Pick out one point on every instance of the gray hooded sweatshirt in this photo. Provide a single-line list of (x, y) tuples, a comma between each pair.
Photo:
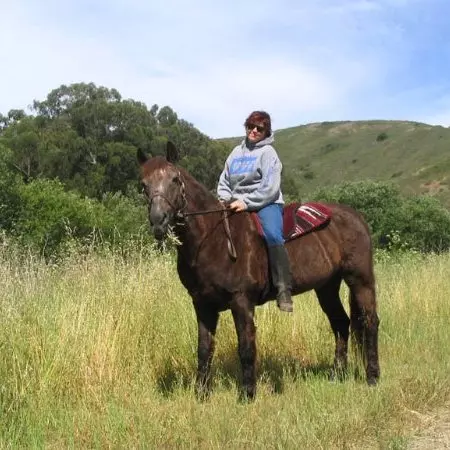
[(252, 174)]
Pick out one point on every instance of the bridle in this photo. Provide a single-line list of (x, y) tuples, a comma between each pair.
[(181, 214)]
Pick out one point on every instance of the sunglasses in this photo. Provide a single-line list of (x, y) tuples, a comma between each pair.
[(252, 126)]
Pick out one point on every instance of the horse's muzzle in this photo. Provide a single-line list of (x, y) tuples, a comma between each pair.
[(159, 232), (159, 221), (160, 227)]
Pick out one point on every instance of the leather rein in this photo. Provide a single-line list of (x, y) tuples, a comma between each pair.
[(231, 248)]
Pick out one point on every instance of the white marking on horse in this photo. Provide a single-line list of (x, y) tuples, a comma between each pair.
[(162, 173)]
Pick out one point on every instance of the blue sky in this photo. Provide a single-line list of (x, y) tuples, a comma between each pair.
[(214, 62)]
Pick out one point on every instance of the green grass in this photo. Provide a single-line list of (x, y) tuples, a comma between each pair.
[(99, 351)]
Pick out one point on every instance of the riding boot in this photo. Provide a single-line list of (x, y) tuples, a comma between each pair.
[(281, 276)]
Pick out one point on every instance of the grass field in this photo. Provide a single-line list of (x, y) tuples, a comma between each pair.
[(100, 352)]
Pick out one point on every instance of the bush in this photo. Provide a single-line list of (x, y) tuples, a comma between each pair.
[(377, 202), (382, 137), (424, 224), (419, 223), (125, 218), (51, 218)]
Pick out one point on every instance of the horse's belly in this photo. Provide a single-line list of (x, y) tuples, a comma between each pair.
[(313, 263)]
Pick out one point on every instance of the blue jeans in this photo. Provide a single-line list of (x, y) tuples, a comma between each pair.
[(271, 217)]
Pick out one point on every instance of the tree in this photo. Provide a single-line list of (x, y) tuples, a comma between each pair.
[(66, 99), (166, 117), (10, 182), (87, 136), (14, 115), (22, 138)]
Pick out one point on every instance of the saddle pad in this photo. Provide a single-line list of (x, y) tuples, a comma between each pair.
[(299, 219)]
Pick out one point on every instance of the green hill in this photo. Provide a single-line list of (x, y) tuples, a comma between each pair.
[(414, 155)]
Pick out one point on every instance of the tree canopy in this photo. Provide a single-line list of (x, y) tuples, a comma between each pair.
[(87, 137)]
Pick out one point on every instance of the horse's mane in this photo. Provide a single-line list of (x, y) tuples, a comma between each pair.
[(196, 191)]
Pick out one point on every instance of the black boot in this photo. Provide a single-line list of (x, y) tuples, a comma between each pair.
[(281, 276)]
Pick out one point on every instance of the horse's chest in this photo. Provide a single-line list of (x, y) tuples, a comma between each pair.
[(219, 277), (201, 281)]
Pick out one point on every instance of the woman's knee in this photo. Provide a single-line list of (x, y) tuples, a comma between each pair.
[(273, 237)]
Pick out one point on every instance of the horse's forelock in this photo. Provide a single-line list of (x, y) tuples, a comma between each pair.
[(154, 164)]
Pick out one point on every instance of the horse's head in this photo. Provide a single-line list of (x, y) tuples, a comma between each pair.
[(163, 188)]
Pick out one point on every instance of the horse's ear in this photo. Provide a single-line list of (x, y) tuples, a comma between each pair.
[(172, 154), (141, 156)]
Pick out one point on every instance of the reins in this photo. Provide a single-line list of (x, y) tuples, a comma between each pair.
[(231, 248), (201, 213), (182, 214)]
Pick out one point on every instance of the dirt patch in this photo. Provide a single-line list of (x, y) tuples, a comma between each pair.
[(435, 433), (433, 187), (346, 127), (422, 169), (314, 125)]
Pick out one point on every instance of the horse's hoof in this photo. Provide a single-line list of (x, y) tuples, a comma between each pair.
[(286, 307), (284, 301), (247, 395)]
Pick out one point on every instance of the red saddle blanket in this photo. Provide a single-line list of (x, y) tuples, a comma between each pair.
[(299, 219)]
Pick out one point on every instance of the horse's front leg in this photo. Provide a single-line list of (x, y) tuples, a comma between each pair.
[(207, 319), (243, 313)]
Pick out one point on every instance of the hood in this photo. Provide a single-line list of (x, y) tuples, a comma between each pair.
[(266, 141)]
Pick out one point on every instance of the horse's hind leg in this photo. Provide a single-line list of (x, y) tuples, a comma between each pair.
[(364, 323), (207, 319), (331, 304)]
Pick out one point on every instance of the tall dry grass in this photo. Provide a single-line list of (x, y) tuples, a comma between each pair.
[(99, 351)]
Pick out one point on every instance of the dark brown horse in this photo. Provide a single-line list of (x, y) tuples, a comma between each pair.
[(319, 260)]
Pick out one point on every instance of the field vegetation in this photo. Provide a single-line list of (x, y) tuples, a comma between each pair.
[(99, 351)]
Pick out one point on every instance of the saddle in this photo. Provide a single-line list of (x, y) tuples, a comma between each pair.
[(299, 219)]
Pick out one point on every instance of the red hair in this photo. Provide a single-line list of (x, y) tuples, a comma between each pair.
[(260, 117)]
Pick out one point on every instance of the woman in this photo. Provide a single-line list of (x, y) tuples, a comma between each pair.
[(251, 181)]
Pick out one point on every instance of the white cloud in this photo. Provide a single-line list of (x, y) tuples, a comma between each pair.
[(226, 94), (215, 62)]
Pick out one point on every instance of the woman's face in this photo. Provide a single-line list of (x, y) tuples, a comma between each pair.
[(255, 132)]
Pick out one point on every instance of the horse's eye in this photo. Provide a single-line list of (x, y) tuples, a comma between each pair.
[(176, 179), (144, 189)]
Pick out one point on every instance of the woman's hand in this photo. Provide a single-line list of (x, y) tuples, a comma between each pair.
[(237, 206)]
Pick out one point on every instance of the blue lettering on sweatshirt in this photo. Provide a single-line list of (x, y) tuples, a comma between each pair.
[(243, 165)]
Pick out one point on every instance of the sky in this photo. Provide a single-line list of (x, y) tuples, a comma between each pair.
[(213, 63)]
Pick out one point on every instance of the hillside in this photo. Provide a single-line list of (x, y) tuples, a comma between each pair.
[(416, 156)]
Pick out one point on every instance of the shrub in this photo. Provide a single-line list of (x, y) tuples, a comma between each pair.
[(51, 218), (382, 137), (377, 202), (125, 218), (424, 224), (397, 223)]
